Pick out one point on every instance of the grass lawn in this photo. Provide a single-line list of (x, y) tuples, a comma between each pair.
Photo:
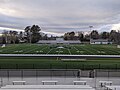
[(53, 63)]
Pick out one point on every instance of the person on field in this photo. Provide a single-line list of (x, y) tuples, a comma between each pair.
[(78, 74)]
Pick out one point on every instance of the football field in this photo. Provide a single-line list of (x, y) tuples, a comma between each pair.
[(83, 49), (58, 63)]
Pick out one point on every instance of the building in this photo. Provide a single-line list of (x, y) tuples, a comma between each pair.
[(59, 41), (100, 41)]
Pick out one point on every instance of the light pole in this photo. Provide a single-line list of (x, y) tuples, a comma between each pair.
[(30, 36), (90, 30)]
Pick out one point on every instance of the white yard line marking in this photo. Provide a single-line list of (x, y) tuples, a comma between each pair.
[(36, 49), (69, 51), (59, 51), (109, 50), (87, 50), (77, 50), (49, 51)]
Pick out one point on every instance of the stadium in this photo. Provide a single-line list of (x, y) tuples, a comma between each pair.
[(60, 65), (59, 45)]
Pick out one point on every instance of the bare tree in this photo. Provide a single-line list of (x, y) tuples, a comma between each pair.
[(5, 35)]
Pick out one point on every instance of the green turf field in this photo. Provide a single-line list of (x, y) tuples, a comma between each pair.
[(82, 49), (56, 63)]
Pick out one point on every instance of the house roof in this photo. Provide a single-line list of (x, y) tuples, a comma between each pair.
[(98, 40)]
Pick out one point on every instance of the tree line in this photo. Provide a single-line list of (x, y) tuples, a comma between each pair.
[(112, 36), (32, 34)]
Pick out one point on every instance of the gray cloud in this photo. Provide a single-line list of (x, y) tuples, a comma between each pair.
[(60, 16)]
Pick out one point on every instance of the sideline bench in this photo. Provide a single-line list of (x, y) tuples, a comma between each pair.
[(55, 82), (81, 82), (115, 87), (103, 83), (22, 82)]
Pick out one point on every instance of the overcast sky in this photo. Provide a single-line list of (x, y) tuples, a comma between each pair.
[(60, 16)]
